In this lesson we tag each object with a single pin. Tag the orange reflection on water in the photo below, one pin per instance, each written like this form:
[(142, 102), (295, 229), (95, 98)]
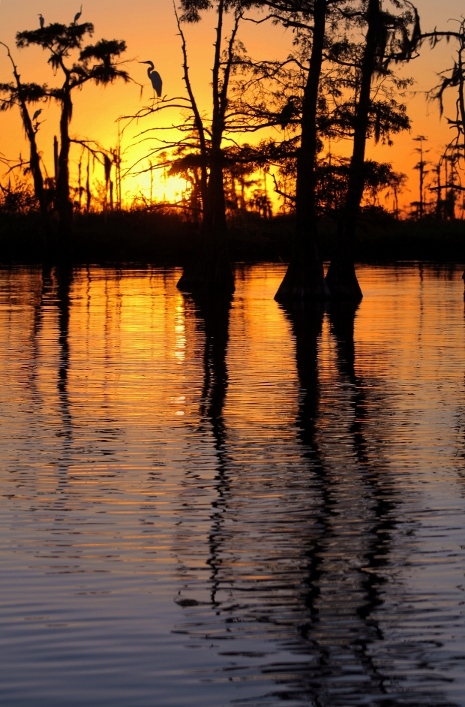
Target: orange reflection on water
[(115, 363), (263, 383)]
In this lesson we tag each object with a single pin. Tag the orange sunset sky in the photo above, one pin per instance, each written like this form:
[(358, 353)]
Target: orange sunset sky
[(150, 31)]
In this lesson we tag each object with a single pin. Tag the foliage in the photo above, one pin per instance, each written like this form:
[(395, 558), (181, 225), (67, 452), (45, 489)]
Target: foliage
[(17, 198), (95, 62), (77, 63)]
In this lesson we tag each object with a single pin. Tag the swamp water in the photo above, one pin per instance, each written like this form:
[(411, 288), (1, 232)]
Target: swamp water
[(204, 507)]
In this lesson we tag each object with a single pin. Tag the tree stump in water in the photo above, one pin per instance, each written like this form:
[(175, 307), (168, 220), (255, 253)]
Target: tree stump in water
[(304, 279), (210, 273), (342, 282)]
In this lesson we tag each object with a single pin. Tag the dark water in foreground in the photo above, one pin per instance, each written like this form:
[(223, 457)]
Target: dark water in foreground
[(202, 507)]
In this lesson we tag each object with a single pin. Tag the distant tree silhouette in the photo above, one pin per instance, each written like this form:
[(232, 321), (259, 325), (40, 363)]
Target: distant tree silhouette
[(188, 165), (239, 164), (452, 80), (17, 197), (332, 174), (422, 172), (78, 64), (22, 95), (447, 183)]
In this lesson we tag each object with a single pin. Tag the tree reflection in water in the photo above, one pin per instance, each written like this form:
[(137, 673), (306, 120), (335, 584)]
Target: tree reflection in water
[(214, 315), (292, 480), (297, 589), (55, 295), (64, 278)]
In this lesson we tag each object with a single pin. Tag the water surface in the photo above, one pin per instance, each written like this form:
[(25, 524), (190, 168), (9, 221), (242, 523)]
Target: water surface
[(213, 505)]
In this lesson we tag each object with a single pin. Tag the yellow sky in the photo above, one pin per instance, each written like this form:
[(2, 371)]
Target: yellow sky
[(150, 32)]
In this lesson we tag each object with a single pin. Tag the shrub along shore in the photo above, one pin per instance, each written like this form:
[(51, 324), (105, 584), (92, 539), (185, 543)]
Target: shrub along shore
[(166, 239)]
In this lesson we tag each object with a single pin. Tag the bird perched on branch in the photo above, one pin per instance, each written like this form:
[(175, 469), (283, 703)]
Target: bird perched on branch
[(77, 16), (37, 113), (286, 114), (154, 77), (41, 21)]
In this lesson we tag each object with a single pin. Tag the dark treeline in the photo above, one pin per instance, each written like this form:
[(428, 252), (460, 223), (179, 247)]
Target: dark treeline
[(339, 85), (166, 239)]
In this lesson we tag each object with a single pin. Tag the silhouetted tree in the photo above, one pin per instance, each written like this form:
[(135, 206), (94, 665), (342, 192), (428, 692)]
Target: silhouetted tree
[(452, 78), (332, 173), (334, 64), (447, 182), (304, 278), (17, 198), (454, 153), (211, 270), (203, 136), (22, 95), (422, 172), (188, 165), (78, 64), (389, 37), (301, 105)]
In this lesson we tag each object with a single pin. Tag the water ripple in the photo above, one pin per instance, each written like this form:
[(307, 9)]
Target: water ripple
[(239, 503)]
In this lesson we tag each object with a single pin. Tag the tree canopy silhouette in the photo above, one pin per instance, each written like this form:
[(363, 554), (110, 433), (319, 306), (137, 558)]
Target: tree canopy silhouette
[(391, 36), (77, 63)]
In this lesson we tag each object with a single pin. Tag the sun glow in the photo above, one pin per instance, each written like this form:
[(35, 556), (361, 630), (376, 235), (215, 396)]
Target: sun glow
[(154, 187)]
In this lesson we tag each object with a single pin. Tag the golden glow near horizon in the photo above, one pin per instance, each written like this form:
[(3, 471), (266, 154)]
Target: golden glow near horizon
[(150, 31)]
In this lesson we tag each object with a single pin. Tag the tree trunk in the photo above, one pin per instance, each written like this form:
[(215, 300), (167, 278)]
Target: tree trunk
[(341, 277), (211, 272), (304, 279), (34, 159), (63, 203), (39, 191), (38, 181)]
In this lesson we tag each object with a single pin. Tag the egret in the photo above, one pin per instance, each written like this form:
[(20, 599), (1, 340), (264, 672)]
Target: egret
[(77, 15), (42, 21), (154, 77), (37, 113)]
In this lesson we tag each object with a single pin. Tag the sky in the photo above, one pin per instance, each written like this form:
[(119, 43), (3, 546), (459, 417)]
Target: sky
[(150, 31)]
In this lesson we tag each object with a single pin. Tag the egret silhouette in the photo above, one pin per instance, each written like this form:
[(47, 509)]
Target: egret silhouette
[(42, 21), (77, 15), (37, 113), (154, 77)]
